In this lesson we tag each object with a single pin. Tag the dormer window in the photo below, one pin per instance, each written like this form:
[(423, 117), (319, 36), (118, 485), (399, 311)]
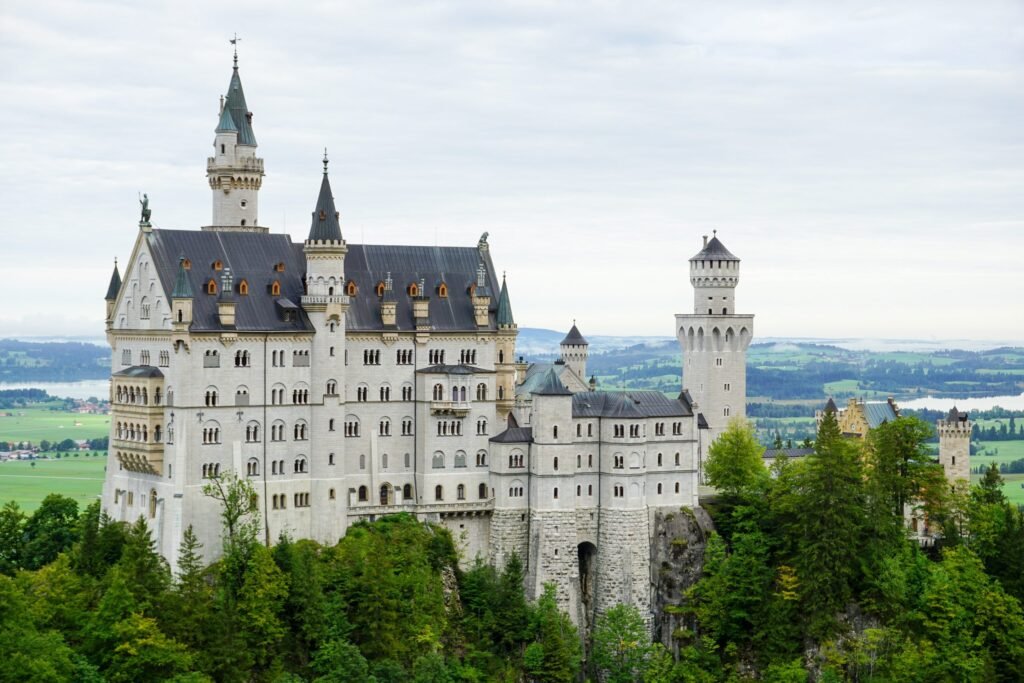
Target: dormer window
[(380, 289), (243, 287), (275, 288), (414, 289), (217, 265), (211, 286), (350, 288), (279, 267), (442, 290), (186, 264), (323, 215)]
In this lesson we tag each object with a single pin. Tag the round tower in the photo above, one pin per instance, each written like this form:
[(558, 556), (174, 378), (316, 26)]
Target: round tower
[(234, 171), (955, 446), (574, 352)]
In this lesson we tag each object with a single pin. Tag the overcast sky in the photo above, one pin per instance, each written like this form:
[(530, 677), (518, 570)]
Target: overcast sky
[(865, 160)]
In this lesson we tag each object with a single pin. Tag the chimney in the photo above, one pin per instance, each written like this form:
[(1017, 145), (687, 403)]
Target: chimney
[(705, 240)]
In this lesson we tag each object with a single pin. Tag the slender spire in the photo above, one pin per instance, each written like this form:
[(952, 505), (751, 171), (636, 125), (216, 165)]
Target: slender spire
[(504, 315), (325, 226), (238, 109), (182, 287), (115, 284)]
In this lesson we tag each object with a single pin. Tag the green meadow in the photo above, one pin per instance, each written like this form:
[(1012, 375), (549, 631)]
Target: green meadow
[(36, 424), (78, 477)]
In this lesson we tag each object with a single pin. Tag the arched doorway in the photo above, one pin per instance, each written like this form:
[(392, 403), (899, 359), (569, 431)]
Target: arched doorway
[(587, 554), (386, 494)]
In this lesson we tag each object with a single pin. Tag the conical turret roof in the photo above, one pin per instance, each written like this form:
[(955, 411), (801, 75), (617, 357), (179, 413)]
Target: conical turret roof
[(226, 124), (182, 287), (325, 225), (504, 315), (714, 250), (115, 284), (240, 114), (574, 338)]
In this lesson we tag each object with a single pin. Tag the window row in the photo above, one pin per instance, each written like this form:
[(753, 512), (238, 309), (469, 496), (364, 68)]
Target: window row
[(211, 470), (438, 460), (449, 428), (135, 395), (127, 431)]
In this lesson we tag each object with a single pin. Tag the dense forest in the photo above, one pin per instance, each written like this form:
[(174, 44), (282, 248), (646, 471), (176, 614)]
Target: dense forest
[(52, 361), (811, 575)]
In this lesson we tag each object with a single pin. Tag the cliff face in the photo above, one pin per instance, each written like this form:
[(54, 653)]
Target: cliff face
[(677, 558)]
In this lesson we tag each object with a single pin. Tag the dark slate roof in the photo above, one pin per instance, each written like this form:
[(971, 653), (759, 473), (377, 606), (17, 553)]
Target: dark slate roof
[(139, 371), (629, 405), (830, 406), (182, 288), (240, 115), (454, 370), (702, 422), (368, 264), (878, 412), (714, 250), (251, 257), (504, 316), (514, 433), (115, 284), (574, 338), (325, 225), (550, 385), (787, 452), (956, 416)]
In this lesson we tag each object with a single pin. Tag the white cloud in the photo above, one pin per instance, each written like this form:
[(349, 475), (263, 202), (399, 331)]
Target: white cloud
[(863, 159)]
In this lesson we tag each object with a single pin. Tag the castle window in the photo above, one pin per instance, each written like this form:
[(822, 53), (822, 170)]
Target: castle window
[(725, 312), (362, 461), (330, 494), (718, 362), (243, 287), (165, 359), (481, 459), (211, 286), (332, 387), (330, 425), (300, 466), (438, 492), (659, 489), (363, 494), (677, 487), (460, 458), (438, 392), (579, 429), (481, 392), (384, 428), (186, 264), (407, 492), (279, 267), (144, 358), (407, 427), (482, 491), (481, 426), (414, 289), (222, 149), (437, 461), (727, 387), (460, 492), (330, 459), (659, 459), (217, 265), (252, 467), (442, 290), (677, 460), (579, 490), (954, 460), (590, 429), (252, 432), (351, 288), (556, 463), (275, 288), (380, 289), (554, 432), (725, 411)]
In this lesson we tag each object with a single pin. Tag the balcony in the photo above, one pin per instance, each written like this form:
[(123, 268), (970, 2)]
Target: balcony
[(457, 408)]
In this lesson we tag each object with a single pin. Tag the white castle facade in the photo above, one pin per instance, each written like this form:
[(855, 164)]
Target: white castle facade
[(348, 381)]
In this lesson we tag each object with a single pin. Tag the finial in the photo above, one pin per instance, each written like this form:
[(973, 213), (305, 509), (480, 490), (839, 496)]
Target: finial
[(115, 262), (326, 161), (715, 233), (574, 322), (234, 41), (503, 275)]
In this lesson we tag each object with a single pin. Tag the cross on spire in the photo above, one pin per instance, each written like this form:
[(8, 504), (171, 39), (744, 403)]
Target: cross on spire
[(234, 41), (326, 161)]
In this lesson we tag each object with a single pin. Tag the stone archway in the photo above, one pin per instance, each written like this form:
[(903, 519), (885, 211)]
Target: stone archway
[(387, 495), (586, 553)]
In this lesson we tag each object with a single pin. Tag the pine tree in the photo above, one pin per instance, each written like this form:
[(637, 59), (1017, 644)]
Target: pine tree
[(734, 464)]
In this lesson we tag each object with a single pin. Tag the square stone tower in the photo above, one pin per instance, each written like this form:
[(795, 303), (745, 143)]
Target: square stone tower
[(955, 446), (714, 339)]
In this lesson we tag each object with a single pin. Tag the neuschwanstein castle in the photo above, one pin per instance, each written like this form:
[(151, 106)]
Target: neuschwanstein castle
[(349, 381)]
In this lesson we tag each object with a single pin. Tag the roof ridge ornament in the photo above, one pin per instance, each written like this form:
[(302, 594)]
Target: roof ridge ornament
[(326, 161)]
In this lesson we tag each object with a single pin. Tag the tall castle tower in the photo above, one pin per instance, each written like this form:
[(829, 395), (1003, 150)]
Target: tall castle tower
[(714, 339), (955, 446), (234, 171)]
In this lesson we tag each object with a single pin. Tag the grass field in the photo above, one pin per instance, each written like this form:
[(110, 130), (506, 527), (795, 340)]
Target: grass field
[(36, 424), (80, 478)]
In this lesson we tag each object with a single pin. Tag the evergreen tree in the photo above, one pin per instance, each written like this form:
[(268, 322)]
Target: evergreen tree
[(50, 530), (554, 656), (12, 537), (621, 645), (831, 516)]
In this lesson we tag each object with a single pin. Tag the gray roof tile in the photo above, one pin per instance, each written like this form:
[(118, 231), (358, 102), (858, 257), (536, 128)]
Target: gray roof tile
[(714, 250), (115, 284)]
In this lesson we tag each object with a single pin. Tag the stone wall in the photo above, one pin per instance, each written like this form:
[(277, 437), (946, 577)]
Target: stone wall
[(553, 557), (623, 561), (509, 534)]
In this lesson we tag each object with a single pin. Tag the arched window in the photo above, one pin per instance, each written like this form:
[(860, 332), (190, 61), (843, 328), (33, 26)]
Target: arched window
[(275, 288), (414, 289), (211, 286), (438, 460), (481, 392), (438, 392), (556, 462), (460, 458), (243, 287), (351, 288), (460, 492), (482, 491), (363, 494), (380, 289), (659, 489), (554, 432), (407, 492), (252, 467), (555, 492), (438, 492)]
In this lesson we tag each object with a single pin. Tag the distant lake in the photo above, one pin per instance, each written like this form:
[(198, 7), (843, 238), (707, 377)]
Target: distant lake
[(100, 388), (965, 404)]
